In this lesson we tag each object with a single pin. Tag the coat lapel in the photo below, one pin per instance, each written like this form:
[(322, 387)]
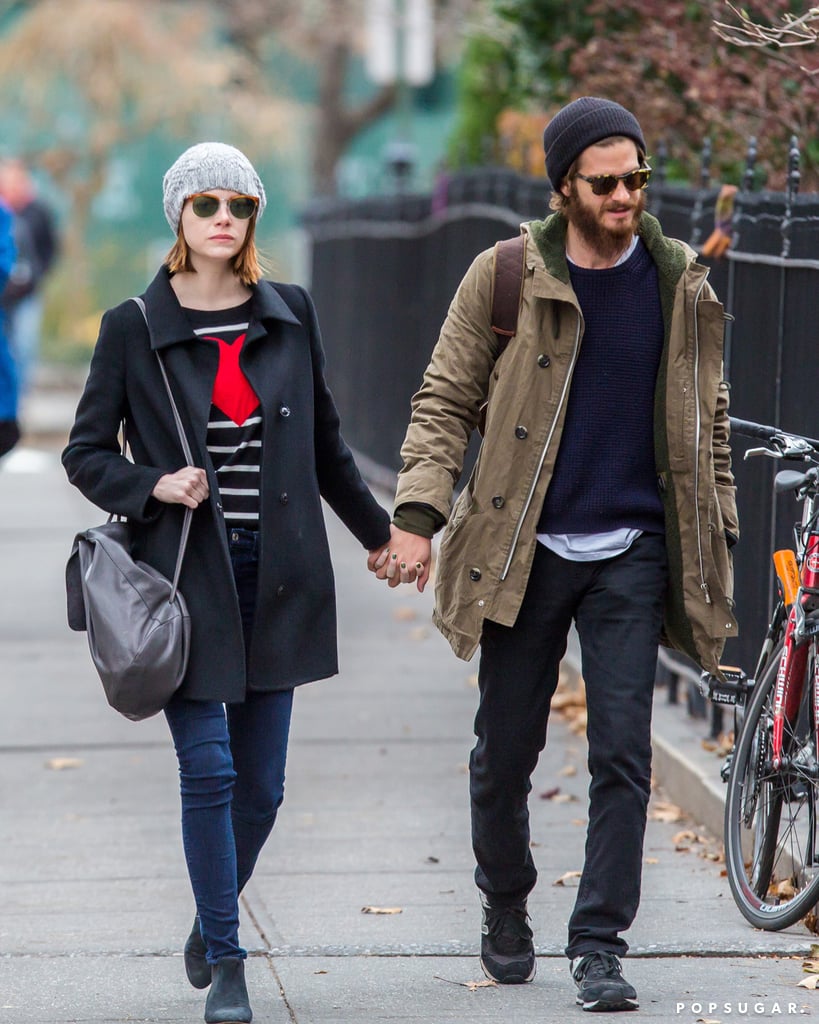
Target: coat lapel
[(192, 363)]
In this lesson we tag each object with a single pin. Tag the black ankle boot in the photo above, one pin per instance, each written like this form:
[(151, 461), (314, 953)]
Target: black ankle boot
[(197, 967), (227, 1001)]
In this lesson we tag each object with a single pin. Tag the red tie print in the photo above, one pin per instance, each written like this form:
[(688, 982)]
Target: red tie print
[(232, 392)]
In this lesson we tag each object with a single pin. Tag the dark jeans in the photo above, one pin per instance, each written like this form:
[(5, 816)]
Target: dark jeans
[(231, 770), (617, 604)]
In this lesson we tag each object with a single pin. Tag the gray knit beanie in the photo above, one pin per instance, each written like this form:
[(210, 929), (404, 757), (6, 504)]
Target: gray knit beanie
[(205, 166), (580, 124)]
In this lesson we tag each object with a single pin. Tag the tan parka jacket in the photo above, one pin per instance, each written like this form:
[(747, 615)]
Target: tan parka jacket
[(489, 542)]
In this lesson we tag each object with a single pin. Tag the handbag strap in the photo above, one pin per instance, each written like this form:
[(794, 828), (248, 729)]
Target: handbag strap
[(186, 522)]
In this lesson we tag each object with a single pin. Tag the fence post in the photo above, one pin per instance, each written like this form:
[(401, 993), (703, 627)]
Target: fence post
[(662, 161), (705, 164), (750, 166), (746, 185), (791, 190), (705, 181)]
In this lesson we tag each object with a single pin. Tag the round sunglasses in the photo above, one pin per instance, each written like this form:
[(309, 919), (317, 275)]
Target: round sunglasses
[(204, 204), (605, 184)]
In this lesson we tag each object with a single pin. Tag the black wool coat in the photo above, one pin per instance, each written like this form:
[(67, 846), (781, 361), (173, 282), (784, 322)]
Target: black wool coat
[(304, 458)]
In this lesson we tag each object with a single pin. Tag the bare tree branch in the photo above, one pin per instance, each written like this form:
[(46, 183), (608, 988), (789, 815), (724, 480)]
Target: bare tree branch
[(790, 32)]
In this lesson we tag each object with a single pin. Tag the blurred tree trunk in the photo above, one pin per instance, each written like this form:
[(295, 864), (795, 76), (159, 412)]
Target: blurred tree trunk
[(336, 123)]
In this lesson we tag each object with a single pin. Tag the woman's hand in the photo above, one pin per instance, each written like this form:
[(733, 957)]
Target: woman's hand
[(405, 560), (187, 486)]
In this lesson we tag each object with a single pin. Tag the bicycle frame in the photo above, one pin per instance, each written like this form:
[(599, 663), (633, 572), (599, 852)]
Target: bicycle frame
[(798, 632)]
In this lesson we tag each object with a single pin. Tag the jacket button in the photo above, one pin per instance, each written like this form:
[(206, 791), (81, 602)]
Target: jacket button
[(498, 501), (543, 361), (474, 575), (283, 498), (284, 411), (280, 590), (521, 433)]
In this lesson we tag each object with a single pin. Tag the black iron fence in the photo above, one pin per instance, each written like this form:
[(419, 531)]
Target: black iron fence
[(384, 271)]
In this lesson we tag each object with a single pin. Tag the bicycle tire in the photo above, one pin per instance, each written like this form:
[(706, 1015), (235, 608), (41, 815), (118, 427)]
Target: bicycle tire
[(775, 813)]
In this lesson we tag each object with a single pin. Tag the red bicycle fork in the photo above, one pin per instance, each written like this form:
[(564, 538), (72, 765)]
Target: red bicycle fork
[(788, 692), (793, 662)]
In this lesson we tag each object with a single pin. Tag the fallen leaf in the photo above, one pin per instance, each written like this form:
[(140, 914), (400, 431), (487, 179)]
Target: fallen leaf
[(564, 798), (321, 972), (685, 836), (471, 985), (708, 1020), (568, 770), (785, 889), (60, 764), (577, 725), (567, 877), (662, 810), (682, 849), (382, 910), (651, 860), (433, 860), (579, 821), (812, 981), (473, 681), (404, 614), (419, 633), (550, 794), (810, 966)]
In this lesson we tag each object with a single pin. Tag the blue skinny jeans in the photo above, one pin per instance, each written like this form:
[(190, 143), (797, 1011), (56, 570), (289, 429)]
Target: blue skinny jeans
[(231, 770)]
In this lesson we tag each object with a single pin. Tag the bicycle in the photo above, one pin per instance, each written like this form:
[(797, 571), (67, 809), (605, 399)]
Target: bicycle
[(772, 802)]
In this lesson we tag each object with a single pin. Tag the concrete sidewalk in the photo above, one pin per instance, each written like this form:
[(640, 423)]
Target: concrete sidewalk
[(95, 899)]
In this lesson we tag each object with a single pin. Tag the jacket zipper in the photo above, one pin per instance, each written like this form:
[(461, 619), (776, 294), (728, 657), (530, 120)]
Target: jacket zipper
[(703, 584), (548, 441)]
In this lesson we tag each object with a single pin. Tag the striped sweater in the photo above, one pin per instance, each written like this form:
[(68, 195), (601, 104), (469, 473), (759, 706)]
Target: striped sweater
[(234, 438)]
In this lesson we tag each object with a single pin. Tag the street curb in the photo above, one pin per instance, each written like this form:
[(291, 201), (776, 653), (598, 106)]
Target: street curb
[(687, 786)]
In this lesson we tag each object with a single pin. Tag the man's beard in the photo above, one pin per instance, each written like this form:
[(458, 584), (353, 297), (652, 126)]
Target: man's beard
[(609, 243)]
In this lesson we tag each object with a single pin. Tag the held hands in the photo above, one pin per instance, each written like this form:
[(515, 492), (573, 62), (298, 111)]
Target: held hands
[(406, 559), (187, 486)]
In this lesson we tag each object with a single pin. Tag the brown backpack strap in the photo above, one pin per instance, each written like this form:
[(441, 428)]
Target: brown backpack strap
[(510, 260)]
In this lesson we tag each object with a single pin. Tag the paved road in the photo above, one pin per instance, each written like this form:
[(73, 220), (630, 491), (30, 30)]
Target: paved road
[(95, 901)]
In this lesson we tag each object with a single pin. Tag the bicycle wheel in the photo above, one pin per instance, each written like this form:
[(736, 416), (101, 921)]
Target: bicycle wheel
[(770, 816)]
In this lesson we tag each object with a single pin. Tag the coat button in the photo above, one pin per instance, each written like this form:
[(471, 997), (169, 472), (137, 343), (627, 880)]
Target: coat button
[(283, 498), (280, 590), (474, 575), (498, 501), (543, 361), (521, 433), (284, 411)]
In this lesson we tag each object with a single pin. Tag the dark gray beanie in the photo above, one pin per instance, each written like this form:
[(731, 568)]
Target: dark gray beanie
[(208, 165), (580, 124)]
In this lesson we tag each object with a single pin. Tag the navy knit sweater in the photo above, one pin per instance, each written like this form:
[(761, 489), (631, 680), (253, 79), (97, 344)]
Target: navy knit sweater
[(605, 476)]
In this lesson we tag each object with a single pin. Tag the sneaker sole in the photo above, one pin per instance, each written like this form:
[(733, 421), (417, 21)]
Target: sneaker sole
[(510, 979), (602, 1006)]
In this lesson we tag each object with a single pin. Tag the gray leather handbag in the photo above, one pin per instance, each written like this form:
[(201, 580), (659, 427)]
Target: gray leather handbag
[(137, 621)]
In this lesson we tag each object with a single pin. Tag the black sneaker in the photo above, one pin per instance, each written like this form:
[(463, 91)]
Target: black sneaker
[(600, 983), (507, 950)]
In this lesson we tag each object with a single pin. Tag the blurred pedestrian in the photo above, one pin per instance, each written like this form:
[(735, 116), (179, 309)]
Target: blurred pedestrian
[(603, 495), (246, 365), (9, 427), (35, 235)]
